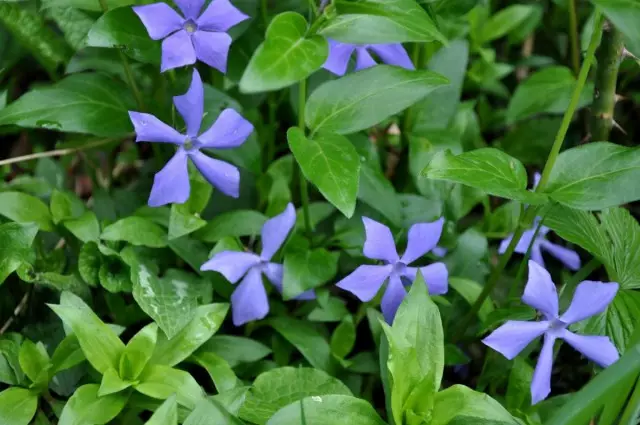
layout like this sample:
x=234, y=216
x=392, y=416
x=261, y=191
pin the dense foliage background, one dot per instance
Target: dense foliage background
x=509, y=127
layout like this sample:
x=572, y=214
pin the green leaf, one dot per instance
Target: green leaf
x=530, y=141
x=91, y=5
x=218, y=369
x=86, y=227
x=618, y=321
x=470, y=290
x=170, y=301
x=86, y=407
x=622, y=259
x=137, y=231
x=112, y=383
x=161, y=382
x=17, y=406
x=211, y=411
x=122, y=29
x=595, y=176
x=381, y=21
x=363, y=99
x=183, y=222
x=81, y=103
x=206, y=322
x=68, y=354
x=487, y=169
x=286, y=56
x=307, y=340
x=34, y=360
x=15, y=246
x=233, y=223
x=100, y=344
x=114, y=275
x=74, y=24
x=343, y=338
x=277, y=388
x=624, y=14
x=89, y=263
x=546, y=91
x=236, y=350
x=166, y=414
x=10, y=371
x=138, y=352
x=30, y=30
x=375, y=190
x=519, y=388
x=23, y=208
x=462, y=405
x=327, y=410
x=505, y=21
x=64, y=205
x=306, y=268
x=331, y=163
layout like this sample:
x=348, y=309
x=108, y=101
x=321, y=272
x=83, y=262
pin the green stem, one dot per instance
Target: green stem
x=57, y=152
x=265, y=12
x=270, y=151
x=632, y=412
x=604, y=98
x=304, y=190
x=574, y=37
x=313, y=7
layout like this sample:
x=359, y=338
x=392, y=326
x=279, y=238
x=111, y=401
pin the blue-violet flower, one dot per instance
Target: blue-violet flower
x=340, y=54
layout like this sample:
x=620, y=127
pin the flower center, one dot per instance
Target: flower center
x=399, y=268
x=190, y=26
x=190, y=144
x=557, y=326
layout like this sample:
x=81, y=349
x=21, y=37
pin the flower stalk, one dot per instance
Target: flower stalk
x=304, y=190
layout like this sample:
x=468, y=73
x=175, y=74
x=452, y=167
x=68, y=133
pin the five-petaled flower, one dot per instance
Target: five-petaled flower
x=366, y=280
x=171, y=184
x=194, y=36
x=340, y=54
x=249, y=301
x=590, y=298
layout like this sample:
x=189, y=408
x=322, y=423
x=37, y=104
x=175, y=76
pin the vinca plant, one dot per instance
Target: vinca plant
x=335, y=212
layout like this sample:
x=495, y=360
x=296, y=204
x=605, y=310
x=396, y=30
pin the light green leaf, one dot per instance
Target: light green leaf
x=23, y=209
x=624, y=14
x=88, y=103
x=595, y=176
x=218, y=369
x=306, y=268
x=206, y=322
x=307, y=340
x=622, y=256
x=86, y=227
x=211, y=411
x=505, y=21
x=166, y=414
x=137, y=231
x=327, y=410
x=286, y=56
x=233, y=223
x=462, y=405
x=138, y=352
x=112, y=383
x=17, y=406
x=64, y=205
x=519, y=387
x=182, y=222
x=363, y=99
x=277, y=388
x=331, y=163
x=381, y=21
x=86, y=407
x=236, y=350
x=34, y=360
x=10, y=371
x=487, y=169
x=99, y=343
x=68, y=354
x=15, y=247
x=161, y=382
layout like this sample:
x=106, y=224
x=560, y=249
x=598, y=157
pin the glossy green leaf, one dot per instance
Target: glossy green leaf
x=595, y=176
x=15, y=247
x=211, y=411
x=89, y=263
x=313, y=346
x=122, y=29
x=138, y=352
x=86, y=407
x=23, y=208
x=381, y=21
x=487, y=169
x=277, y=388
x=286, y=56
x=236, y=350
x=100, y=344
x=505, y=21
x=218, y=369
x=232, y=223
x=459, y=404
x=74, y=23
x=365, y=98
x=137, y=231
x=306, y=269
x=205, y=323
x=158, y=381
x=343, y=338
x=331, y=163
x=112, y=383
x=34, y=360
x=328, y=410
x=17, y=406
x=86, y=227
x=64, y=205
x=81, y=103
x=67, y=354
x=183, y=222
x=166, y=414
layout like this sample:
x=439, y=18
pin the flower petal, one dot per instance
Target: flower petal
x=177, y=51
x=159, y=19
x=274, y=273
x=365, y=281
x=150, y=129
x=598, y=349
x=212, y=48
x=590, y=298
x=222, y=175
x=191, y=105
x=338, y=59
x=393, y=54
x=171, y=184
x=276, y=230
x=363, y=59
x=436, y=276
x=567, y=256
x=422, y=238
x=541, y=383
x=512, y=337
x=231, y=264
x=229, y=131
x=536, y=254
x=379, y=243
x=392, y=298
x=249, y=301
x=220, y=16
x=523, y=243
x=190, y=8
x=540, y=292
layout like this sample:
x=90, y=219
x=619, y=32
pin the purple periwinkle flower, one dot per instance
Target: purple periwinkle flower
x=171, y=184
x=249, y=301
x=194, y=35
x=340, y=54
x=590, y=298
x=366, y=280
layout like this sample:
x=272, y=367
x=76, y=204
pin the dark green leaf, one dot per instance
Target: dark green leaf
x=313, y=346
x=235, y=349
x=74, y=24
x=624, y=14
x=137, y=231
x=64, y=205
x=211, y=411
x=91, y=5
x=343, y=338
x=232, y=223
x=183, y=222
x=306, y=268
x=15, y=247
x=89, y=263
x=218, y=369
x=327, y=410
